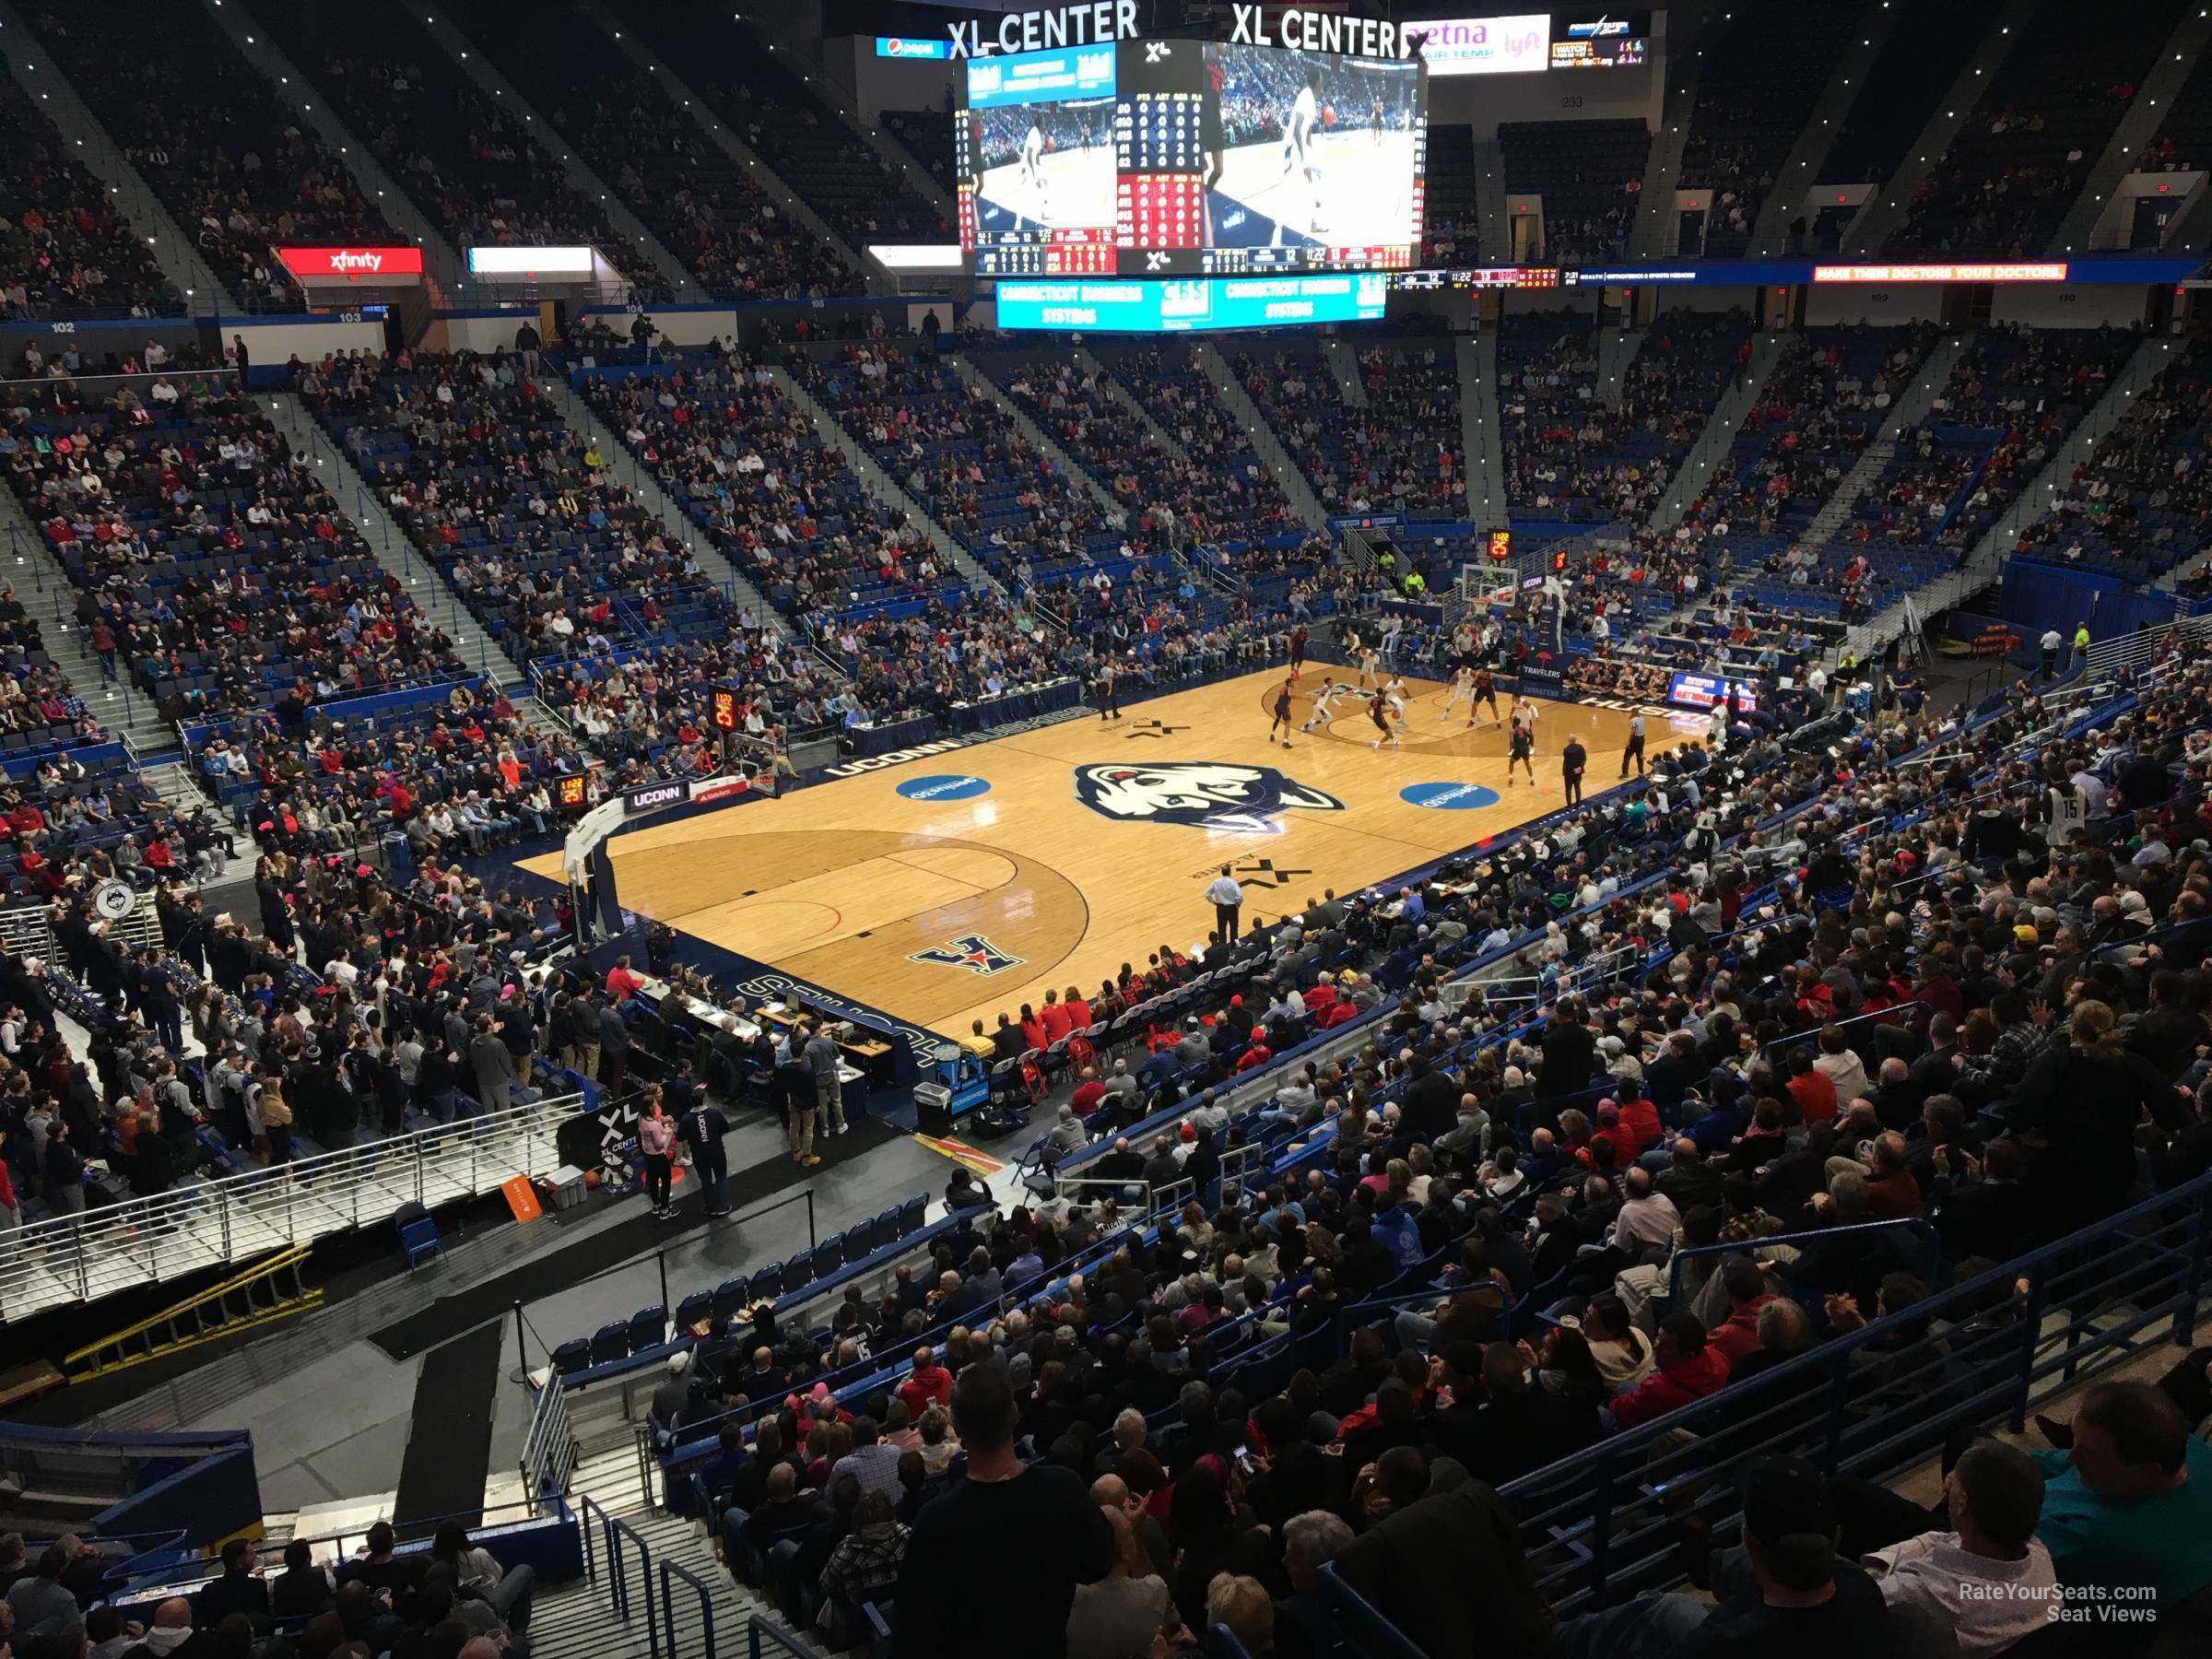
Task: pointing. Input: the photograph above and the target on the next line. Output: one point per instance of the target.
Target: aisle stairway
(388, 544)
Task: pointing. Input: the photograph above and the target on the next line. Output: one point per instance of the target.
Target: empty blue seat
(767, 1282)
(911, 1213)
(732, 1297)
(610, 1342)
(859, 1242)
(884, 1229)
(828, 1257)
(798, 1272)
(648, 1328)
(573, 1355)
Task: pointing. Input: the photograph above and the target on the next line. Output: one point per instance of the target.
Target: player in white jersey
(1365, 655)
(1523, 718)
(1462, 691)
(1298, 133)
(1325, 703)
(1033, 157)
(1394, 693)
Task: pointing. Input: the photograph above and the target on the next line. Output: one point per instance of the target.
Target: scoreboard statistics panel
(1189, 158)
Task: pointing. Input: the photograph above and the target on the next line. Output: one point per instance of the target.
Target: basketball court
(1073, 191)
(945, 888)
(1365, 191)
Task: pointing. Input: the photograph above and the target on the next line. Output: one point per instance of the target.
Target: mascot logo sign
(1199, 793)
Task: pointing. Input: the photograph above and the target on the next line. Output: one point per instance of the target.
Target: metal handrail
(81, 1257)
(1912, 1225)
(618, 1572)
(1593, 1523)
(760, 1633)
(670, 1571)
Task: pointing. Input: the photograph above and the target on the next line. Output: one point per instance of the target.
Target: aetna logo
(345, 259)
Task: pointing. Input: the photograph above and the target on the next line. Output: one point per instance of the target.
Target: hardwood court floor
(1091, 844)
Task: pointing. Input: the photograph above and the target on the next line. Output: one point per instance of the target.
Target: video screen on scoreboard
(1034, 155)
(1182, 157)
(1314, 160)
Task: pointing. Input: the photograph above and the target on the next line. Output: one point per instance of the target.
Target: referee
(1573, 759)
(1110, 706)
(1228, 899)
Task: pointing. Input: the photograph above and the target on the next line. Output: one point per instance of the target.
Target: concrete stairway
(388, 542)
(2155, 92)
(1481, 434)
(43, 587)
(1980, 567)
(881, 484)
(1617, 349)
(49, 89)
(1493, 228)
(580, 178)
(1885, 209)
(1800, 169)
(1711, 446)
(1652, 234)
(825, 86)
(1288, 476)
(581, 417)
(1158, 433)
(1073, 470)
(1345, 361)
(1907, 409)
(253, 44)
(625, 41)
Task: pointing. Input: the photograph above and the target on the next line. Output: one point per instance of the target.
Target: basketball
(1328, 115)
(1050, 144)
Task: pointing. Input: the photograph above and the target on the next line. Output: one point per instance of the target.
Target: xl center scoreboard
(1189, 158)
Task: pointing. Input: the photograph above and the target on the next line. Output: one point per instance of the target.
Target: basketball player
(1635, 749)
(1523, 717)
(1378, 711)
(1374, 120)
(1109, 703)
(1300, 151)
(1523, 744)
(1213, 143)
(1032, 162)
(1325, 703)
(1297, 649)
(1365, 656)
(1462, 691)
(1282, 716)
(1394, 693)
(1486, 691)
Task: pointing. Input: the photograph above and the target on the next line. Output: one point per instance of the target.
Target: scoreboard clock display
(722, 708)
(568, 790)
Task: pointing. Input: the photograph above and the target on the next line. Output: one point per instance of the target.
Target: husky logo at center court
(1199, 793)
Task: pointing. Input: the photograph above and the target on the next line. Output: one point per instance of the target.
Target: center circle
(943, 786)
(1447, 797)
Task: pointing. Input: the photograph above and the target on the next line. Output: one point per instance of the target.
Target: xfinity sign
(350, 263)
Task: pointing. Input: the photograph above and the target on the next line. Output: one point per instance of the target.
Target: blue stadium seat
(610, 1342)
(910, 1216)
(648, 1328)
(798, 1272)
(694, 1310)
(859, 1242)
(573, 1355)
(732, 1297)
(767, 1282)
(884, 1229)
(828, 1257)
